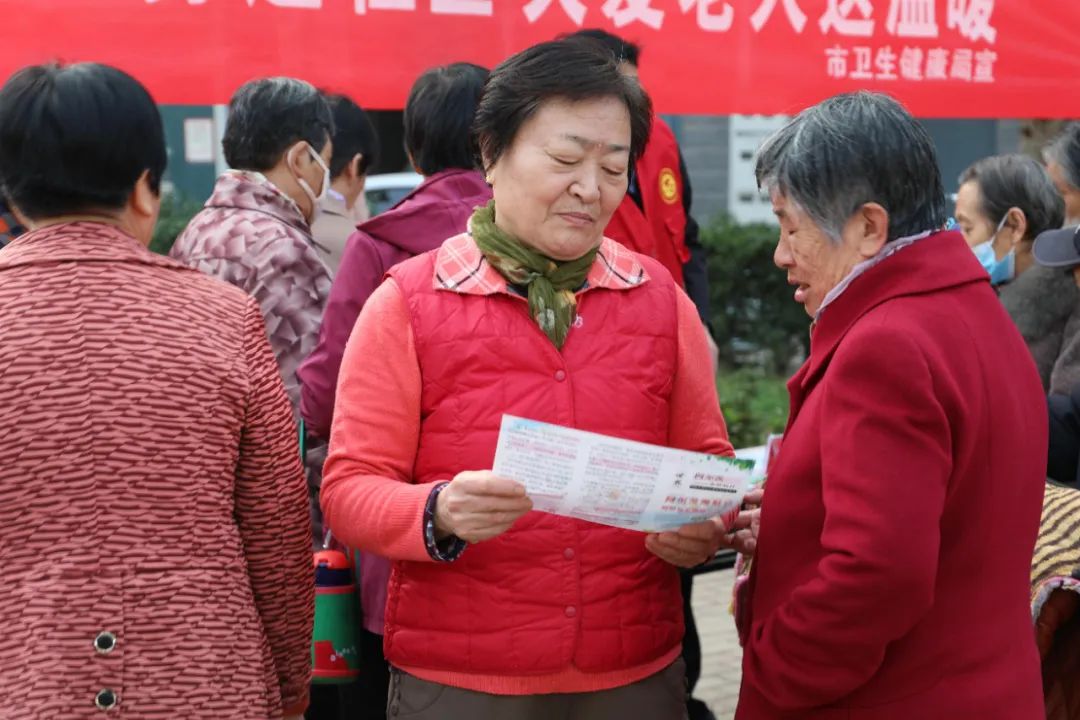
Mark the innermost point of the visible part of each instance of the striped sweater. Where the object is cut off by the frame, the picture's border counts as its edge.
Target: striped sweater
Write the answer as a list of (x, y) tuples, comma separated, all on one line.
[(1055, 583)]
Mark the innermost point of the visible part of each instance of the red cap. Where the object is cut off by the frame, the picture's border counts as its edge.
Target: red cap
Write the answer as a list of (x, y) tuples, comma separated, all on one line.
[(331, 559)]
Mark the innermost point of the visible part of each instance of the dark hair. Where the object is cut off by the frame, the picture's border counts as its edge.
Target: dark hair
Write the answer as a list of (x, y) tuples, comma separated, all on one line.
[(439, 115), (573, 69), (76, 138), (623, 50), (268, 116), (1065, 151), (854, 149), (1008, 181), (353, 133)]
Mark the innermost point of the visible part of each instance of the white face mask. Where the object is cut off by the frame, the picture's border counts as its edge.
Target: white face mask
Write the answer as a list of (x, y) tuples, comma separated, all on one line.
[(316, 200)]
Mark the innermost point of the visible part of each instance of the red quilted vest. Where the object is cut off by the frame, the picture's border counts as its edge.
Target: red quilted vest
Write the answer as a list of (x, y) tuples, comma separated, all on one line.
[(660, 230), (552, 591)]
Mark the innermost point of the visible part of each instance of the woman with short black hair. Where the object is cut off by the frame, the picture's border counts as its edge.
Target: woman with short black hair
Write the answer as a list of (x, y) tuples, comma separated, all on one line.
[(495, 611), (153, 518), (439, 116)]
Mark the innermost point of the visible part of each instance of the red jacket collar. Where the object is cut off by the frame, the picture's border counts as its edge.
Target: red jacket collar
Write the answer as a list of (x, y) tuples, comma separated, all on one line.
[(941, 261)]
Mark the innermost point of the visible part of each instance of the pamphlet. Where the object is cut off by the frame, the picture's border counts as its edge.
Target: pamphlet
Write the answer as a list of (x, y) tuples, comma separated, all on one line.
[(618, 482)]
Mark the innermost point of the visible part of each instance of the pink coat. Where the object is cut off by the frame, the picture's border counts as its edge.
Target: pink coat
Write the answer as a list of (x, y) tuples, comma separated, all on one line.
[(154, 533)]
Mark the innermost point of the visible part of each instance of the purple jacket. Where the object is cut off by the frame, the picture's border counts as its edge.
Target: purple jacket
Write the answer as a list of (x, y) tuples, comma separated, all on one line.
[(437, 210)]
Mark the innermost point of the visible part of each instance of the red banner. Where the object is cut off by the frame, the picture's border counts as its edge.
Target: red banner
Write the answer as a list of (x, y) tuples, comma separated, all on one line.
[(943, 58)]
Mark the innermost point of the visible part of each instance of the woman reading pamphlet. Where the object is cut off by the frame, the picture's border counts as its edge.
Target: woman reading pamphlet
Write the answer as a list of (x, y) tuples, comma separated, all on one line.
[(496, 611)]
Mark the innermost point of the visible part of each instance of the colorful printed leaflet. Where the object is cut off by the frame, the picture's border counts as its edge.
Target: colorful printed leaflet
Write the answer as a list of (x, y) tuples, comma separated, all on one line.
[(617, 482)]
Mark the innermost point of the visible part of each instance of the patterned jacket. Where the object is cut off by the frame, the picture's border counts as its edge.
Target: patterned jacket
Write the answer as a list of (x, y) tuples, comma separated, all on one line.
[(153, 529), (253, 236)]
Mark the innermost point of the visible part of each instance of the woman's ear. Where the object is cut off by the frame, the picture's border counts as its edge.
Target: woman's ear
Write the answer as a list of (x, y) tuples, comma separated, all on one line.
[(144, 202), (871, 228), (412, 163), (297, 159), (1017, 224), (486, 164), (352, 170)]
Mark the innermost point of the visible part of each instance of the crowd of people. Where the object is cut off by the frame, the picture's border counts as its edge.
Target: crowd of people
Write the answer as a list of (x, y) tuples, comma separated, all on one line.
[(183, 431)]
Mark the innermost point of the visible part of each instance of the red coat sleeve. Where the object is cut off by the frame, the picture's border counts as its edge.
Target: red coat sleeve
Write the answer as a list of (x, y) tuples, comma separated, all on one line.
[(272, 513), (885, 464), (360, 272)]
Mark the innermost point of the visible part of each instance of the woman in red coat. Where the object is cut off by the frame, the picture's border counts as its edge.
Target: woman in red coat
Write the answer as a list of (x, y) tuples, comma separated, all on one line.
[(154, 531), (895, 545)]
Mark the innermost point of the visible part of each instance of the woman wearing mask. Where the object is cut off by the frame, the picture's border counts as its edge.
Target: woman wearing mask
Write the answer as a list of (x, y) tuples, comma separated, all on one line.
[(1003, 204), (255, 230)]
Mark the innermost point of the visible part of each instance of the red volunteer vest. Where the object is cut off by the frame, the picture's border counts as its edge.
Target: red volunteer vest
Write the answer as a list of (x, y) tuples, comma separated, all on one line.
[(659, 231), (552, 591)]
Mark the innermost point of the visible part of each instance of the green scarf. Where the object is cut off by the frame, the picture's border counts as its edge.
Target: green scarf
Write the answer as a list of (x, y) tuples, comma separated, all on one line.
[(551, 284)]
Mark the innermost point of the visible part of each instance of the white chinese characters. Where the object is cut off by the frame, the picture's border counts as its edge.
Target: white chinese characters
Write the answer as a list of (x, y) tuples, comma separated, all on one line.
[(624, 12), (574, 9), (794, 13), (912, 64), (841, 16), (972, 19), (463, 7), (912, 19), (712, 15)]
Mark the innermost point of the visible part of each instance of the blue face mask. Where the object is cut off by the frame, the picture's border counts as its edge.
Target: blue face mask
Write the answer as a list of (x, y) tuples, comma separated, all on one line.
[(1000, 271)]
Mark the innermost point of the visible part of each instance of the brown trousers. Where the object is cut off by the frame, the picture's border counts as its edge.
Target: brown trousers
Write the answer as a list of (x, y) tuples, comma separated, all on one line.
[(659, 697)]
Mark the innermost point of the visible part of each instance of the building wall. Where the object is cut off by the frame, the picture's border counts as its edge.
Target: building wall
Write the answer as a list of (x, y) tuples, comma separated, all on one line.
[(705, 142), (194, 157)]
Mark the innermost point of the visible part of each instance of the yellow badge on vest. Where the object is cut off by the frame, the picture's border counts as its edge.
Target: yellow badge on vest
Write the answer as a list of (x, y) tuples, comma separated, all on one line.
[(669, 188)]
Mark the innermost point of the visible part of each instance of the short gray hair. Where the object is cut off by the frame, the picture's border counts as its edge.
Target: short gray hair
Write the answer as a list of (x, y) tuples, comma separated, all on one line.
[(1064, 150), (854, 149), (1008, 181)]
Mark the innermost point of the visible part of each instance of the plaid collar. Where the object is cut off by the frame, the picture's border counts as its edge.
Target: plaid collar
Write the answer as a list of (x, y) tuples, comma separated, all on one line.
[(460, 267)]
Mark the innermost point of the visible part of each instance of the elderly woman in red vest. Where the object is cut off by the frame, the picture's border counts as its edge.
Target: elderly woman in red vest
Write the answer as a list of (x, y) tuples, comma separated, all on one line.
[(495, 611)]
